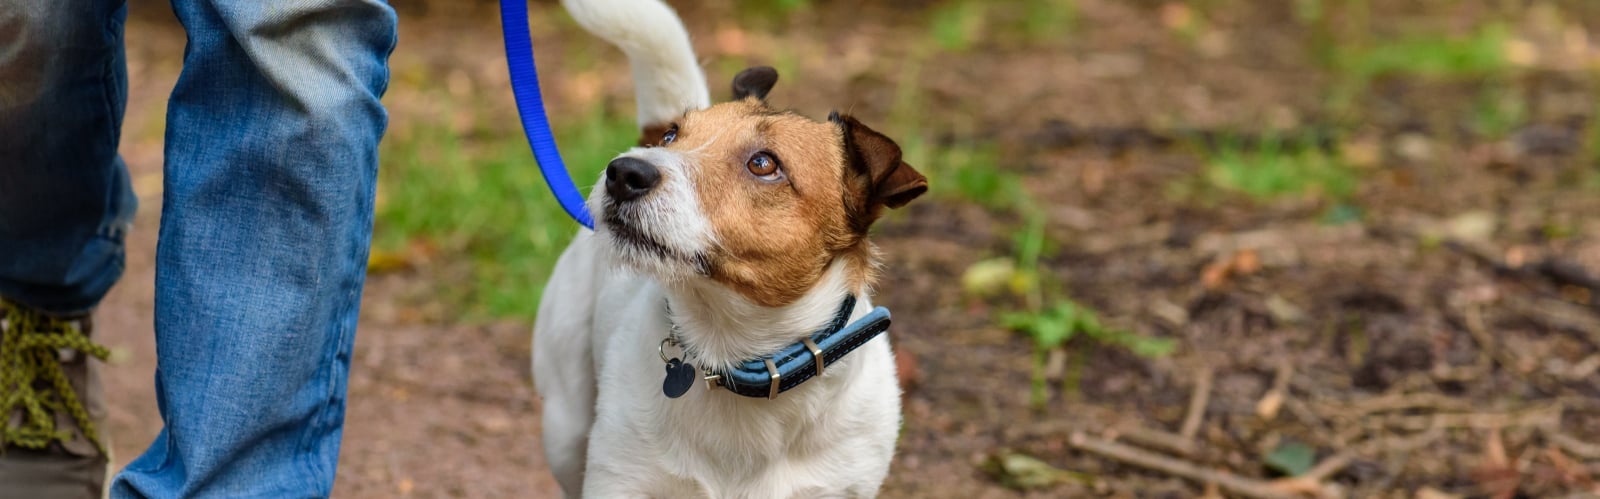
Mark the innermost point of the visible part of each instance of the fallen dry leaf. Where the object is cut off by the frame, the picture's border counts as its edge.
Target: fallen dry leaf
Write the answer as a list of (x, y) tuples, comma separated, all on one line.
[(1218, 272), (1431, 493), (1496, 474)]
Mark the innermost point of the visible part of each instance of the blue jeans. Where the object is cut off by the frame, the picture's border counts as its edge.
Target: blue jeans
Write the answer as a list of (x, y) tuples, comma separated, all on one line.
[(271, 167)]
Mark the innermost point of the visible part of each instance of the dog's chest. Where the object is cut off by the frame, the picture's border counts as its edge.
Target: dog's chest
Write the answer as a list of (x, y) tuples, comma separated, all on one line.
[(812, 441), (729, 446)]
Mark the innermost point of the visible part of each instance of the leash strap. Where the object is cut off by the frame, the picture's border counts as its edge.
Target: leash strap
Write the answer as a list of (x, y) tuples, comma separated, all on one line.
[(530, 106)]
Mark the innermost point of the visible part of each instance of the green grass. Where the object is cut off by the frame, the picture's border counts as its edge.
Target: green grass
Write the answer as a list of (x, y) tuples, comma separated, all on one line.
[(1356, 61), (486, 200), (771, 14), (965, 172), (1310, 11), (1049, 19), (957, 25), (1269, 171), (1480, 53), (1497, 111)]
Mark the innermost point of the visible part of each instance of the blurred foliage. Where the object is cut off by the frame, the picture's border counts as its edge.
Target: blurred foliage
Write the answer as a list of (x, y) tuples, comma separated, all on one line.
[(1481, 53), (957, 25), (1024, 472), (1270, 170), (1496, 112), (487, 201), (1045, 19)]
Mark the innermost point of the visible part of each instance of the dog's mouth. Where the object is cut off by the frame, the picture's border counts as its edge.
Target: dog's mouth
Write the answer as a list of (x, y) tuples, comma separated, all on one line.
[(629, 236)]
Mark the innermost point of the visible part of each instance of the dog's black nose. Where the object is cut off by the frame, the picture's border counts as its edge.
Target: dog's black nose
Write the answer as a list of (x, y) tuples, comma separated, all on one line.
[(629, 178)]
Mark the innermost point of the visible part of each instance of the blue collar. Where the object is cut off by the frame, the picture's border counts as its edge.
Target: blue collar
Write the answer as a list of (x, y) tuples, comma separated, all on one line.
[(768, 376)]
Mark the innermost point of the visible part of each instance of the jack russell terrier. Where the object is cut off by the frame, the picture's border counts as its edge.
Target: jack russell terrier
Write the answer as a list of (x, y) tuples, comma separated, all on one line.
[(714, 335)]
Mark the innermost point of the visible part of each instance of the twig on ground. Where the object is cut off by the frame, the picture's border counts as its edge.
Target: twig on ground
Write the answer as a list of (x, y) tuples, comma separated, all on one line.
[(1267, 408), (1571, 471), (1572, 445), (1472, 316), (1582, 369), (1407, 401), (1463, 374), (1537, 417), (1302, 410), (1311, 480), (1197, 404), (1558, 314), (1153, 438), (1248, 487), (1540, 417)]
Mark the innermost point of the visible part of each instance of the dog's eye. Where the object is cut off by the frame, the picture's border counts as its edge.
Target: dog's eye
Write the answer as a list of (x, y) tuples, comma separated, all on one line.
[(670, 135), (763, 165)]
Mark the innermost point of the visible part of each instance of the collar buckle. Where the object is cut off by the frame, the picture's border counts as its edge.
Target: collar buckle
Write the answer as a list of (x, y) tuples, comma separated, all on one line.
[(772, 386), (816, 354)]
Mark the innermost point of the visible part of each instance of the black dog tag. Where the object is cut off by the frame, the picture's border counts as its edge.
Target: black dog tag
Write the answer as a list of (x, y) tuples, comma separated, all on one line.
[(680, 376)]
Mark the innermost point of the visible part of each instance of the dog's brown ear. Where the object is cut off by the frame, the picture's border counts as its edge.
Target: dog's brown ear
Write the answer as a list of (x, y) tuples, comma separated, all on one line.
[(885, 179), (754, 82)]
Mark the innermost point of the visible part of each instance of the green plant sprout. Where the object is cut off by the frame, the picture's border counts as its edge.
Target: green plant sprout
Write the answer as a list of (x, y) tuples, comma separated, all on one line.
[(1052, 326)]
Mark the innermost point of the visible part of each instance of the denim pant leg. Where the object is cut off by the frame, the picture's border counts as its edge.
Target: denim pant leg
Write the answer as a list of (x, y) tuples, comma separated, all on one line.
[(65, 200), (271, 167)]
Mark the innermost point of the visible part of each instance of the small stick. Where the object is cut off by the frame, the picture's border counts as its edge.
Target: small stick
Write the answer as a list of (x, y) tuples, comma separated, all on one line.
[(1472, 315), (1572, 445), (1408, 401), (1197, 404), (1538, 417), (1247, 487), (1155, 439), (1311, 480), (1267, 408)]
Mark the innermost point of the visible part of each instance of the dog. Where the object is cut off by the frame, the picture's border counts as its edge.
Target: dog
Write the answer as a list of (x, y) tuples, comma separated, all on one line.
[(734, 232)]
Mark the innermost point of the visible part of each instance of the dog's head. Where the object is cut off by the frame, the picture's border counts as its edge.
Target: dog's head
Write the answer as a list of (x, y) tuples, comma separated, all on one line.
[(757, 199)]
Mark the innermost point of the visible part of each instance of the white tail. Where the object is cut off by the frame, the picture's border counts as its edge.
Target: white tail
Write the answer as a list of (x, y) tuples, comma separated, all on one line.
[(666, 77)]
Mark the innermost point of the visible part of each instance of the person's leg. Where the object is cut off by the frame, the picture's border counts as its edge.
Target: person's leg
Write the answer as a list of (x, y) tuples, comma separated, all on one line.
[(65, 204), (65, 200), (271, 168)]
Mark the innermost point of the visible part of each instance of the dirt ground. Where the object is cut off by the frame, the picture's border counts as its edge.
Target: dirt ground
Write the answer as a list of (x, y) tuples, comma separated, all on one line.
[(1447, 342)]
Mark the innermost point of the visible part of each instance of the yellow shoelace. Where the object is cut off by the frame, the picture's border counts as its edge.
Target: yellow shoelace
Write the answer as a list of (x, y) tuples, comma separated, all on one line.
[(32, 382)]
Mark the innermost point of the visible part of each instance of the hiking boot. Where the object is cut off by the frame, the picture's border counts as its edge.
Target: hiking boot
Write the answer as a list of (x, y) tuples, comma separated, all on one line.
[(53, 445)]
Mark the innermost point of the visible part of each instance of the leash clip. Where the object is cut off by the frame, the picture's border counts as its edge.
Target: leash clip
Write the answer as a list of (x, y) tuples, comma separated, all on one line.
[(661, 348)]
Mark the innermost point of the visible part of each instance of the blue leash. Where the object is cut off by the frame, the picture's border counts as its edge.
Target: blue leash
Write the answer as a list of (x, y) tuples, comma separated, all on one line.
[(530, 106)]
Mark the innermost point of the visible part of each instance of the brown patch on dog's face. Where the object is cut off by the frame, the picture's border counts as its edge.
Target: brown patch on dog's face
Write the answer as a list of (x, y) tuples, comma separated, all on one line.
[(759, 200), (771, 185), (651, 135), (785, 195)]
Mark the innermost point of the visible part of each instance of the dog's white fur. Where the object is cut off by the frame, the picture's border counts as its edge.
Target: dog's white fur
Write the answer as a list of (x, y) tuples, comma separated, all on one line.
[(608, 429)]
